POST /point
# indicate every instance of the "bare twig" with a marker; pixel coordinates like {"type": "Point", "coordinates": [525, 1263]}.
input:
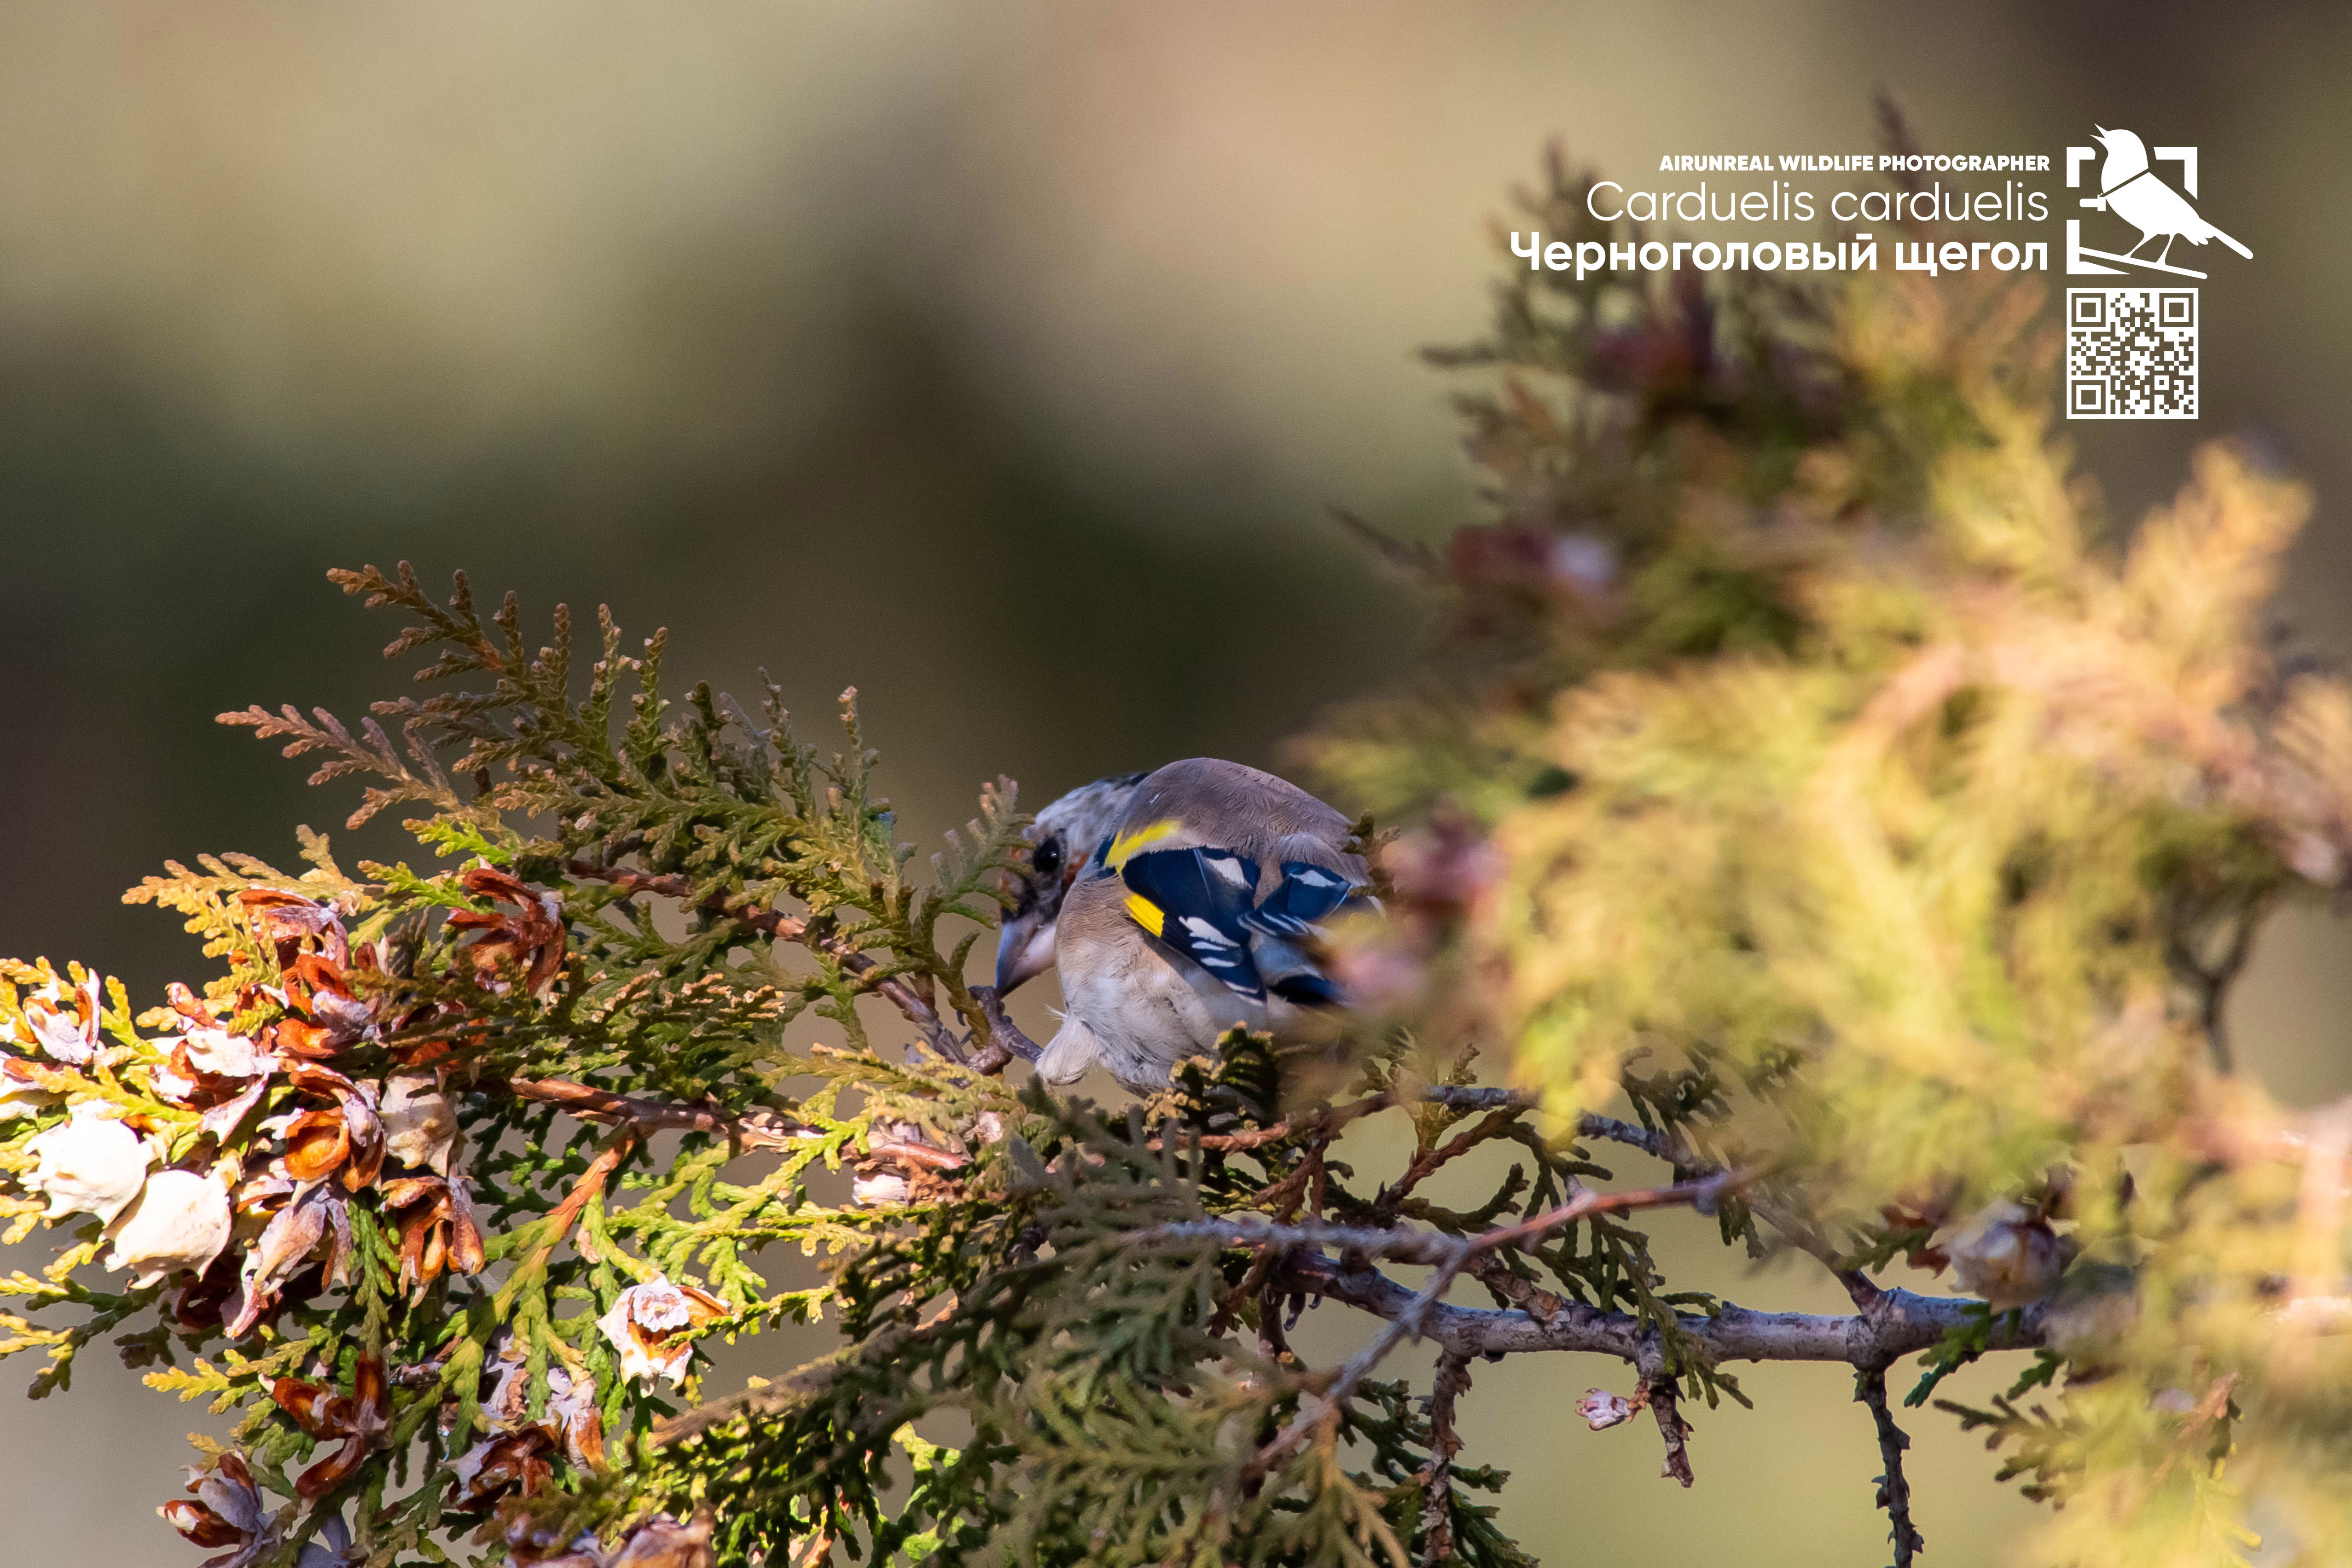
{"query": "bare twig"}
{"type": "Point", "coordinates": [1416, 563]}
{"type": "Point", "coordinates": [1463, 1096]}
{"type": "Point", "coordinates": [1899, 1323]}
{"type": "Point", "coordinates": [1525, 1294]}
{"type": "Point", "coordinates": [924, 1155]}
{"type": "Point", "coordinates": [1437, 1482]}
{"type": "Point", "coordinates": [1665, 1404]}
{"type": "Point", "coordinates": [1658, 1145]}
{"type": "Point", "coordinates": [1893, 1491]}
{"type": "Point", "coordinates": [1005, 1039]}
{"type": "Point", "coordinates": [1252, 1228]}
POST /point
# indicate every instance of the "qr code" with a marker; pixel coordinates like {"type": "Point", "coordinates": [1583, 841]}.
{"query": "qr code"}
{"type": "Point", "coordinates": [2131, 353]}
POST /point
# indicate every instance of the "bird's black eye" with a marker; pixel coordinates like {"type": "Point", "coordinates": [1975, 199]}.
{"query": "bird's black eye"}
{"type": "Point", "coordinates": [1047, 858]}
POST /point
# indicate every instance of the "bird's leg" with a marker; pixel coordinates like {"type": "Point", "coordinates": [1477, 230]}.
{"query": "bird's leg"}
{"type": "Point", "coordinates": [2167, 248]}
{"type": "Point", "coordinates": [2143, 240]}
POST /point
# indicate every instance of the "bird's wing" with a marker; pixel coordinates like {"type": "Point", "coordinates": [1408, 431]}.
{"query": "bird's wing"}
{"type": "Point", "coordinates": [1308, 893]}
{"type": "Point", "coordinates": [1198, 901]}
{"type": "Point", "coordinates": [1288, 960]}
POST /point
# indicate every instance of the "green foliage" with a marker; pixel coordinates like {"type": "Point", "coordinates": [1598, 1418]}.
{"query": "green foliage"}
{"type": "Point", "coordinates": [1075, 1304]}
{"type": "Point", "coordinates": [528, 965]}
{"type": "Point", "coordinates": [1807, 731]}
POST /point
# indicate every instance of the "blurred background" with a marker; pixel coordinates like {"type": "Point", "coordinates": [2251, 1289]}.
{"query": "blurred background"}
{"type": "Point", "coordinates": [1003, 362]}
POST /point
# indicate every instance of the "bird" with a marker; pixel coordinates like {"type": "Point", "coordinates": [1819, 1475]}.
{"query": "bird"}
{"type": "Point", "coordinates": [2130, 189]}
{"type": "Point", "coordinates": [1064, 834]}
{"type": "Point", "coordinates": [1178, 905]}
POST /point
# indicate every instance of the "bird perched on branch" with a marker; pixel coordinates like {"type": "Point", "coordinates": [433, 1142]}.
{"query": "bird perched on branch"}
{"type": "Point", "coordinates": [2131, 189]}
{"type": "Point", "coordinates": [1178, 905]}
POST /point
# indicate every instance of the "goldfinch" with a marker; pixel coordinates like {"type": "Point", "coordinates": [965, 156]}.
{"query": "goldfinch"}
{"type": "Point", "coordinates": [1062, 839]}
{"type": "Point", "coordinates": [1177, 906]}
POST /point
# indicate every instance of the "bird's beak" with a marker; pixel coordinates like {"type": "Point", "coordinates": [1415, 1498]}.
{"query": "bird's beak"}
{"type": "Point", "coordinates": [1025, 949]}
{"type": "Point", "coordinates": [2102, 137]}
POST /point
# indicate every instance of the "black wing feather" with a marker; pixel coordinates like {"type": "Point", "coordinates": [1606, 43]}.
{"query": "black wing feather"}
{"type": "Point", "coordinates": [1308, 893]}
{"type": "Point", "coordinates": [1205, 898]}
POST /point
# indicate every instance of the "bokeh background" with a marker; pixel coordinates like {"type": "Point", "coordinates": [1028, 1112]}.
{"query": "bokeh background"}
{"type": "Point", "coordinates": [1003, 361]}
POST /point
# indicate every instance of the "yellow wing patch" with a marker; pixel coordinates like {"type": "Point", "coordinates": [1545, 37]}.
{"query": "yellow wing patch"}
{"type": "Point", "coordinates": [1147, 914]}
{"type": "Point", "coordinates": [1124, 846]}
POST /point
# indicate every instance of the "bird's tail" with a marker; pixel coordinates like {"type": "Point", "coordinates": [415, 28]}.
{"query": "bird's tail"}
{"type": "Point", "coordinates": [2233, 244]}
{"type": "Point", "coordinates": [1292, 973]}
{"type": "Point", "coordinates": [1073, 1049]}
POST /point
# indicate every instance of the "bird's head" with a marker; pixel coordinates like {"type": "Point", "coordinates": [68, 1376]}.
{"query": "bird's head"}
{"type": "Point", "coordinates": [1061, 841]}
{"type": "Point", "coordinates": [2127, 154]}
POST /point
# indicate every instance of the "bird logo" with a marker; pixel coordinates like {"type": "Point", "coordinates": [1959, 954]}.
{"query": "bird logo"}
{"type": "Point", "coordinates": [2130, 187]}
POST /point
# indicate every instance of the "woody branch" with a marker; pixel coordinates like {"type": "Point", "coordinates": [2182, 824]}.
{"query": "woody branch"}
{"type": "Point", "coordinates": [1899, 1323]}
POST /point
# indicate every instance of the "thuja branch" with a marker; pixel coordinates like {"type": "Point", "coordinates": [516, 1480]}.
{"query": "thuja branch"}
{"type": "Point", "coordinates": [1666, 1406]}
{"type": "Point", "coordinates": [1450, 1256]}
{"type": "Point", "coordinates": [784, 928]}
{"type": "Point", "coordinates": [1899, 1323]}
{"type": "Point", "coordinates": [1894, 1490]}
{"type": "Point", "coordinates": [1660, 1145]}
{"type": "Point", "coordinates": [756, 1129]}
{"type": "Point", "coordinates": [1436, 1516]}
{"type": "Point", "coordinates": [1004, 1042]}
